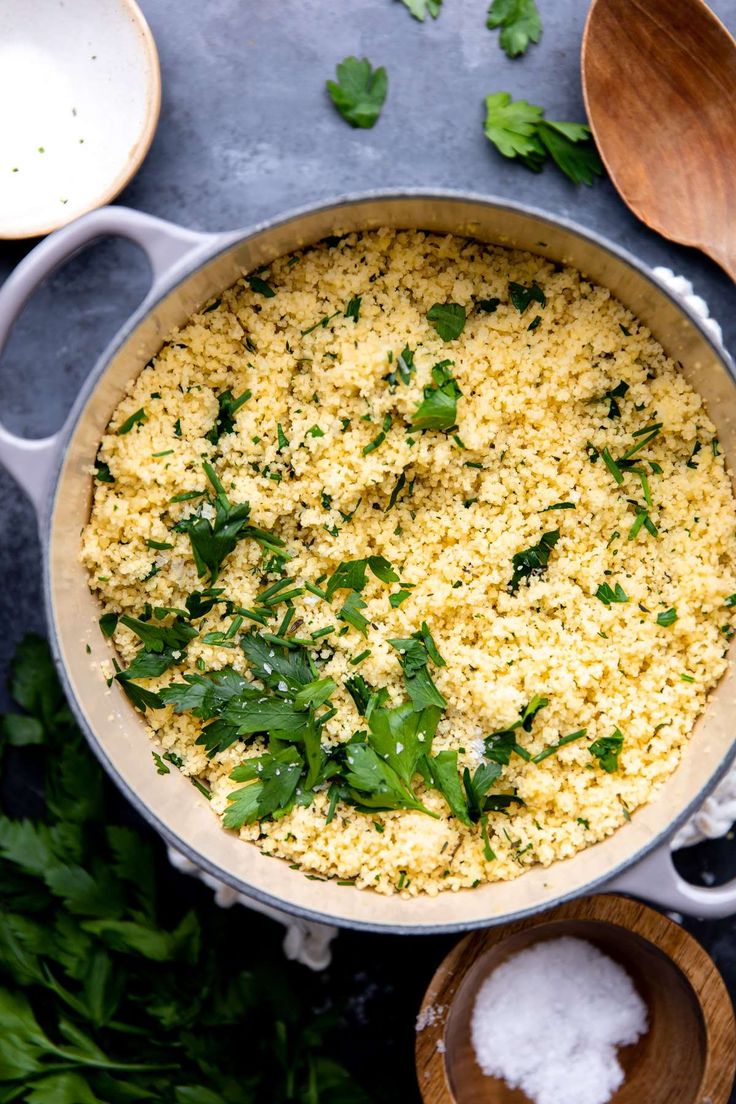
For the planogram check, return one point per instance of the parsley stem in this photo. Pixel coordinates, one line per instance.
(323, 632)
(287, 619)
(285, 596)
(612, 465)
(569, 739)
(316, 590)
(274, 588)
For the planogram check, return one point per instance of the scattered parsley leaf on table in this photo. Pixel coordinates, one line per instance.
(420, 9)
(519, 22)
(518, 129)
(359, 92)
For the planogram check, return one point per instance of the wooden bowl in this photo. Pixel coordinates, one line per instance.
(688, 1055)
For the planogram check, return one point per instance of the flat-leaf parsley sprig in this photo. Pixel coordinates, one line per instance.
(519, 129)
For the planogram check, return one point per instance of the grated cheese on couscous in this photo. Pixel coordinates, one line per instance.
(468, 451)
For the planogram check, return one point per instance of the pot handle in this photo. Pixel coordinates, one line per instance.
(31, 462)
(655, 879)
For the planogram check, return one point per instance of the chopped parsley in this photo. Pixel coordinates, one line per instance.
(521, 296)
(438, 408)
(351, 575)
(359, 92)
(225, 420)
(350, 612)
(532, 561)
(448, 319)
(102, 471)
(667, 618)
(260, 287)
(353, 308)
(213, 540)
(380, 437)
(487, 306)
(559, 506)
(607, 750)
(608, 595)
(137, 418)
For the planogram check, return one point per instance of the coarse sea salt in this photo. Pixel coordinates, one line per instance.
(549, 1019)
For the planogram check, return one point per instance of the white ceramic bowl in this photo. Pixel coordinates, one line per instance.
(81, 90)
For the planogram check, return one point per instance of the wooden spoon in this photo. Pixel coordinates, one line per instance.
(659, 80)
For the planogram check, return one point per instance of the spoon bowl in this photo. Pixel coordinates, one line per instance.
(659, 81)
(687, 1056)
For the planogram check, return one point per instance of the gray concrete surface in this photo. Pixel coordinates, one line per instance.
(247, 131)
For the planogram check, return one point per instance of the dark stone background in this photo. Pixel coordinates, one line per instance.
(246, 132)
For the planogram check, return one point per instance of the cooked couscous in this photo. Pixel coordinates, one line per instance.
(418, 555)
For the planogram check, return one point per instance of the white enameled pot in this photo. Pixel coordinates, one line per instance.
(189, 268)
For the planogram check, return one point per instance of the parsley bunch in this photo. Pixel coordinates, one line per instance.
(108, 994)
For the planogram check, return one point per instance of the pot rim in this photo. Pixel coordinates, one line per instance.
(177, 275)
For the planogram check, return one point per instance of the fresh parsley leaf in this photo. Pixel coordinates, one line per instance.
(438, 408)
(519, 129)
(532, 561)
(374, 783)
(277, 778)
(519, 22)
(421, 8)
(487, 306)
(667, 618)
(448, 320)
(499, 745)
(522, 296)
(350, 612)
(351, 574)
(607, 750)
(137, 418)
(443, 772)
(213, 541)
(109, 623)
(402, 735)
(415, 653)
(607, 595)
(255, 283)
(511, 125)
(571, 147)
(273, 663)
(359, 92)
(477, 787)
(102, 471)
